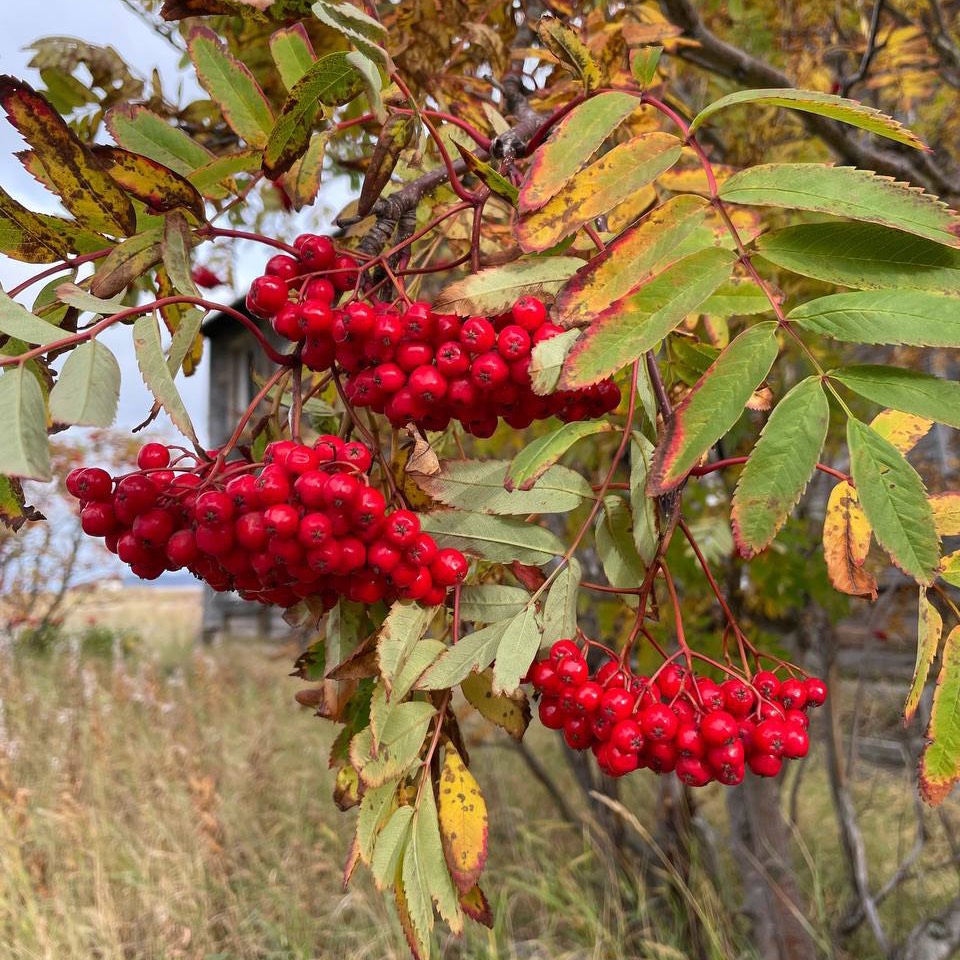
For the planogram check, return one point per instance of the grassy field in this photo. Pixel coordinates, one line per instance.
(175, 803)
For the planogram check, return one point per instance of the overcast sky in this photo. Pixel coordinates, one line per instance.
(106, 22)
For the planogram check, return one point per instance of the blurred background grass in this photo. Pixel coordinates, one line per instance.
(160, 800)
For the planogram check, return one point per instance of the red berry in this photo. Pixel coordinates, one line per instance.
(616, 704)
(737, 697)
(401, 528)
(576, 732)
(543, 675)
(281, 520)
(689, 741)
(816, 691)
(153, 456)
(489, 371)
(341, 491)
(719, 728)
(477, 335)
(588, 697)
(562, 649)
(693, 772)
(358, 455)
(551, 716)
(345, 273)
(213, 508)
(611, 676)
(764, 764)
(767, 683)
(427, 384)
(659, 722)
(572, 671)
(317, 253)
(769, 737)
(448, 568)
(627, 736)
(182, 548)
(98, 519)
(267, 295)
(513, 342)
(250, 531)
(413, 354)
(422, 550)
(92, 484)
(282, 266)
(529, 313)
(796, 741)
(452, 360)
(793, 694)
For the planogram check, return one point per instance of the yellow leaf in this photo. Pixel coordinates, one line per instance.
(463, 821)
(509, 712)
(946, 513)
(903, 430)
(929, 631)
(846, 541)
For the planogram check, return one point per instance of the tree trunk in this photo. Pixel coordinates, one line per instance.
(935, 939)
(761, 846)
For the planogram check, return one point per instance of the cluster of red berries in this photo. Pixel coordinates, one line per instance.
(303, 523)
(677, 722)
(411, 364)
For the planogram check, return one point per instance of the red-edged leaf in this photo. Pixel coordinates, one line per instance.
(713, 406)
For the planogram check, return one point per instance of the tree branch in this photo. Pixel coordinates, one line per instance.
(726, 60)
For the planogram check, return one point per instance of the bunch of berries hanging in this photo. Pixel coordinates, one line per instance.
(677, 722)
(409, 363)
(303, 523)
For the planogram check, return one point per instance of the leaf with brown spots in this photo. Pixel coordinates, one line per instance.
(946, 513)
(126, 263)
(903, 430)
(929, 631)
(26, 237)
(565, 44)
(940, 761)
(149, 181)
(846, 542)
(510, 712)
(463, 821)
(599, 188)
(85, 188)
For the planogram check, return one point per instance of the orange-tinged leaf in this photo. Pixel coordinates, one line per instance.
(929, 631)
(573, 141)
(623, 214)
(940, 762)
(149, 181)
(85, 188)
(406, 922)
(476, 907)
(846, 542)
(565, 44)
(903, 430)
(628, 260)
(510, 712)
(946, 513)
(599, 188)
(463, 821)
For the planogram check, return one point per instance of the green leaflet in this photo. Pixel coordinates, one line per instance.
(478, 486)
(375, 808)
(906, 390)
(390, 846)
(844, 192)
(929, 632)
(18, 322)
(398, 746)
(940, 762)
(713, 406)
(547, 360)
(516, 650)
(560, 607)
(895, 502)
(157, 376)
(501, 539)
(491, 602)
(851, 112)
(475, 651)
(331, 81)
(232, 86)
(531, 463)
(572, 142)
(398, 640)
(638, 322)
(909, 317)
(88, 389)
(24, 448)
(863, 256)
(621, 562)
(780, 466)
(425, 867)
(496, 289)
(292, 53)
(643, 508)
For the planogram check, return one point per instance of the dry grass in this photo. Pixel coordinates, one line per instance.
(177, 805)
